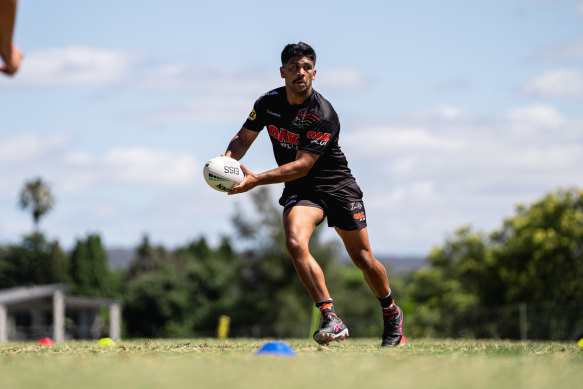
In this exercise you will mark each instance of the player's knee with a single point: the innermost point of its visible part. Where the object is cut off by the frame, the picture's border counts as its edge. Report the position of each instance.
(295, 246)
(364, 260)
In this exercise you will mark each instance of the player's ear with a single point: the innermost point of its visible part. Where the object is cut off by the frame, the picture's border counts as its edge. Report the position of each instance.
(282, 72)
(314, 75)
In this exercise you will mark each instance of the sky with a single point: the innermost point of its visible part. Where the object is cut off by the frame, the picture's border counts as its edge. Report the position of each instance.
(452, 112)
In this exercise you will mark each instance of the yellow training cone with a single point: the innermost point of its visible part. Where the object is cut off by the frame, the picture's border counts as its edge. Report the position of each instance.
(106, 342)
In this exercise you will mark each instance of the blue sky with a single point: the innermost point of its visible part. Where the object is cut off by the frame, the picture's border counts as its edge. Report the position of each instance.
(452, 112)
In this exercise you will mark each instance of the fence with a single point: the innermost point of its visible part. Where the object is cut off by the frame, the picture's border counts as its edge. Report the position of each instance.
(521, 322)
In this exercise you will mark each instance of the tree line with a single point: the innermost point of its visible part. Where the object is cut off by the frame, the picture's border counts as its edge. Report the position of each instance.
(475, 285)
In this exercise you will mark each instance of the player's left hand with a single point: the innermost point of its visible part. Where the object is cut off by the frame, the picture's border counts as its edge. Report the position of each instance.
(248, 183)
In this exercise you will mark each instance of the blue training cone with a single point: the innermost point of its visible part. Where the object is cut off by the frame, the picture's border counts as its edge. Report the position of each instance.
(279, 348)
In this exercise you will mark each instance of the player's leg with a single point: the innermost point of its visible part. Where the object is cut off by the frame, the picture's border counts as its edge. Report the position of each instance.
(299, 224)
(358, 247)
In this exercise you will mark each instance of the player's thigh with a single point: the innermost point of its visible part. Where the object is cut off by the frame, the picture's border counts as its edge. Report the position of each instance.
(357, 243)
(300, 221)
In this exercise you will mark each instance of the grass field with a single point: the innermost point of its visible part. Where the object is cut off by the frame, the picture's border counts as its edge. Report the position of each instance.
(355, 364)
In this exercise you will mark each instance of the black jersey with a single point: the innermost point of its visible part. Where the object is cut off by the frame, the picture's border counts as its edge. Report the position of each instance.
(313, 127)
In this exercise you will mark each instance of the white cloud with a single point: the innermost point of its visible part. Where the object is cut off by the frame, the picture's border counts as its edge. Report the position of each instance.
(532, 149)
(534, 117)
(399, 140)
(209, 78)
(561, 83)
(22, 147)
(149, 166)
(423, 180)
(74, 65)
(129, 167)
(51, 156)
(209, 109)
(448, 113)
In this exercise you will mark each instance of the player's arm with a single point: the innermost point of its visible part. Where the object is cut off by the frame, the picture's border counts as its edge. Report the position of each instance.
(241, 143)
(287, 172)
(11, 55)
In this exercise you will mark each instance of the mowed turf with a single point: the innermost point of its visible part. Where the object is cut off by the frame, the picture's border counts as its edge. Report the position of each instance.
(354, 363)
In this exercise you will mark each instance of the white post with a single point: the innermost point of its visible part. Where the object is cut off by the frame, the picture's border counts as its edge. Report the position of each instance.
(115, 321)
(3, 324)
(58, 316)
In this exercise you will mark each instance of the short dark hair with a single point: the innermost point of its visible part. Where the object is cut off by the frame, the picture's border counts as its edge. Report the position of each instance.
(299, 49)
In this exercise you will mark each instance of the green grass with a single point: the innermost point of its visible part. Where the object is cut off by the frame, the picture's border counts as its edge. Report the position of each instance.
(355, 364)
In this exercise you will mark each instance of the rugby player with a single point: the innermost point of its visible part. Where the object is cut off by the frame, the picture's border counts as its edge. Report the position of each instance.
(304, 130)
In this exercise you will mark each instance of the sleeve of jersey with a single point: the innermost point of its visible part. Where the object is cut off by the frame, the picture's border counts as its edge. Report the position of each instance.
(255, 121)
(318, 137)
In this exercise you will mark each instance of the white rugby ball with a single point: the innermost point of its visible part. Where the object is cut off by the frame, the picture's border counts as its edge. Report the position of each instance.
(222, 173)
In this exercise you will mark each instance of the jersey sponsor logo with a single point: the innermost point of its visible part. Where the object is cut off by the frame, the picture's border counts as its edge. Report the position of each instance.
(252, 115)
(359, 216)
(318, 137)
(274, 114)
(354, 206)
(287, 139)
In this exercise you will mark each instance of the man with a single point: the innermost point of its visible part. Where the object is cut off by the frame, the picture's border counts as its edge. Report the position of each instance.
(11, 55)
(304, 131)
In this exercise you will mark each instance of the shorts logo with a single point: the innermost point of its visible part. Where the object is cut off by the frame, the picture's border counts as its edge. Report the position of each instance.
(286, 138)
(291, 200)
(359, 216)
(252, 115)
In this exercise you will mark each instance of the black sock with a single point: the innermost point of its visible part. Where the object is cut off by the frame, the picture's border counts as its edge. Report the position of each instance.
(326, 308)
(388, 305)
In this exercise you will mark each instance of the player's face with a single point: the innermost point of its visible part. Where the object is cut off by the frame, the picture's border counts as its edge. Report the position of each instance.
(299, 73)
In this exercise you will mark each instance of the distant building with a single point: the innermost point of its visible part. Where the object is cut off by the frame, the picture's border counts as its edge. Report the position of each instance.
(46, 311)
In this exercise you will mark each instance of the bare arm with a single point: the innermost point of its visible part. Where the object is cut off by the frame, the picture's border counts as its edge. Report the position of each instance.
(11, 55)
(240, 143)
(288, 172)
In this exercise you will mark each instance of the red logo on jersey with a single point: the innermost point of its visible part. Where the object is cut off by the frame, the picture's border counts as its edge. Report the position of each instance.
(283, 135)
(318, 136)
(359, 215)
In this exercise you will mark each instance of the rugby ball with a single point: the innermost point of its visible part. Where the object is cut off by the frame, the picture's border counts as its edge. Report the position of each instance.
(222, 173)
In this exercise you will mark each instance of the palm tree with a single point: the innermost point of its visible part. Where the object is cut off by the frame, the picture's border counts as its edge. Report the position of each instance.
(36, 195)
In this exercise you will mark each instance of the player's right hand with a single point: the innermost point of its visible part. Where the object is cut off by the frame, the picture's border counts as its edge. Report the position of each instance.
(12, 64)
(249, 182)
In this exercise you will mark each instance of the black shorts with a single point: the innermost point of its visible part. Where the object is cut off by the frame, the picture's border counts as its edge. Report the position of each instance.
(343, 207)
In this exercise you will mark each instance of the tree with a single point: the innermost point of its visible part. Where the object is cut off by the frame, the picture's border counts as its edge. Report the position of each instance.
(181, 292)
(36, 195)
(35, 261)
(89, 271)
(476, 280)
(540, 251)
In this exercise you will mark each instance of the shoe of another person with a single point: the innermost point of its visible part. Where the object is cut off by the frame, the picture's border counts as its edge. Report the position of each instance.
(332, 328)
(393, 329)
